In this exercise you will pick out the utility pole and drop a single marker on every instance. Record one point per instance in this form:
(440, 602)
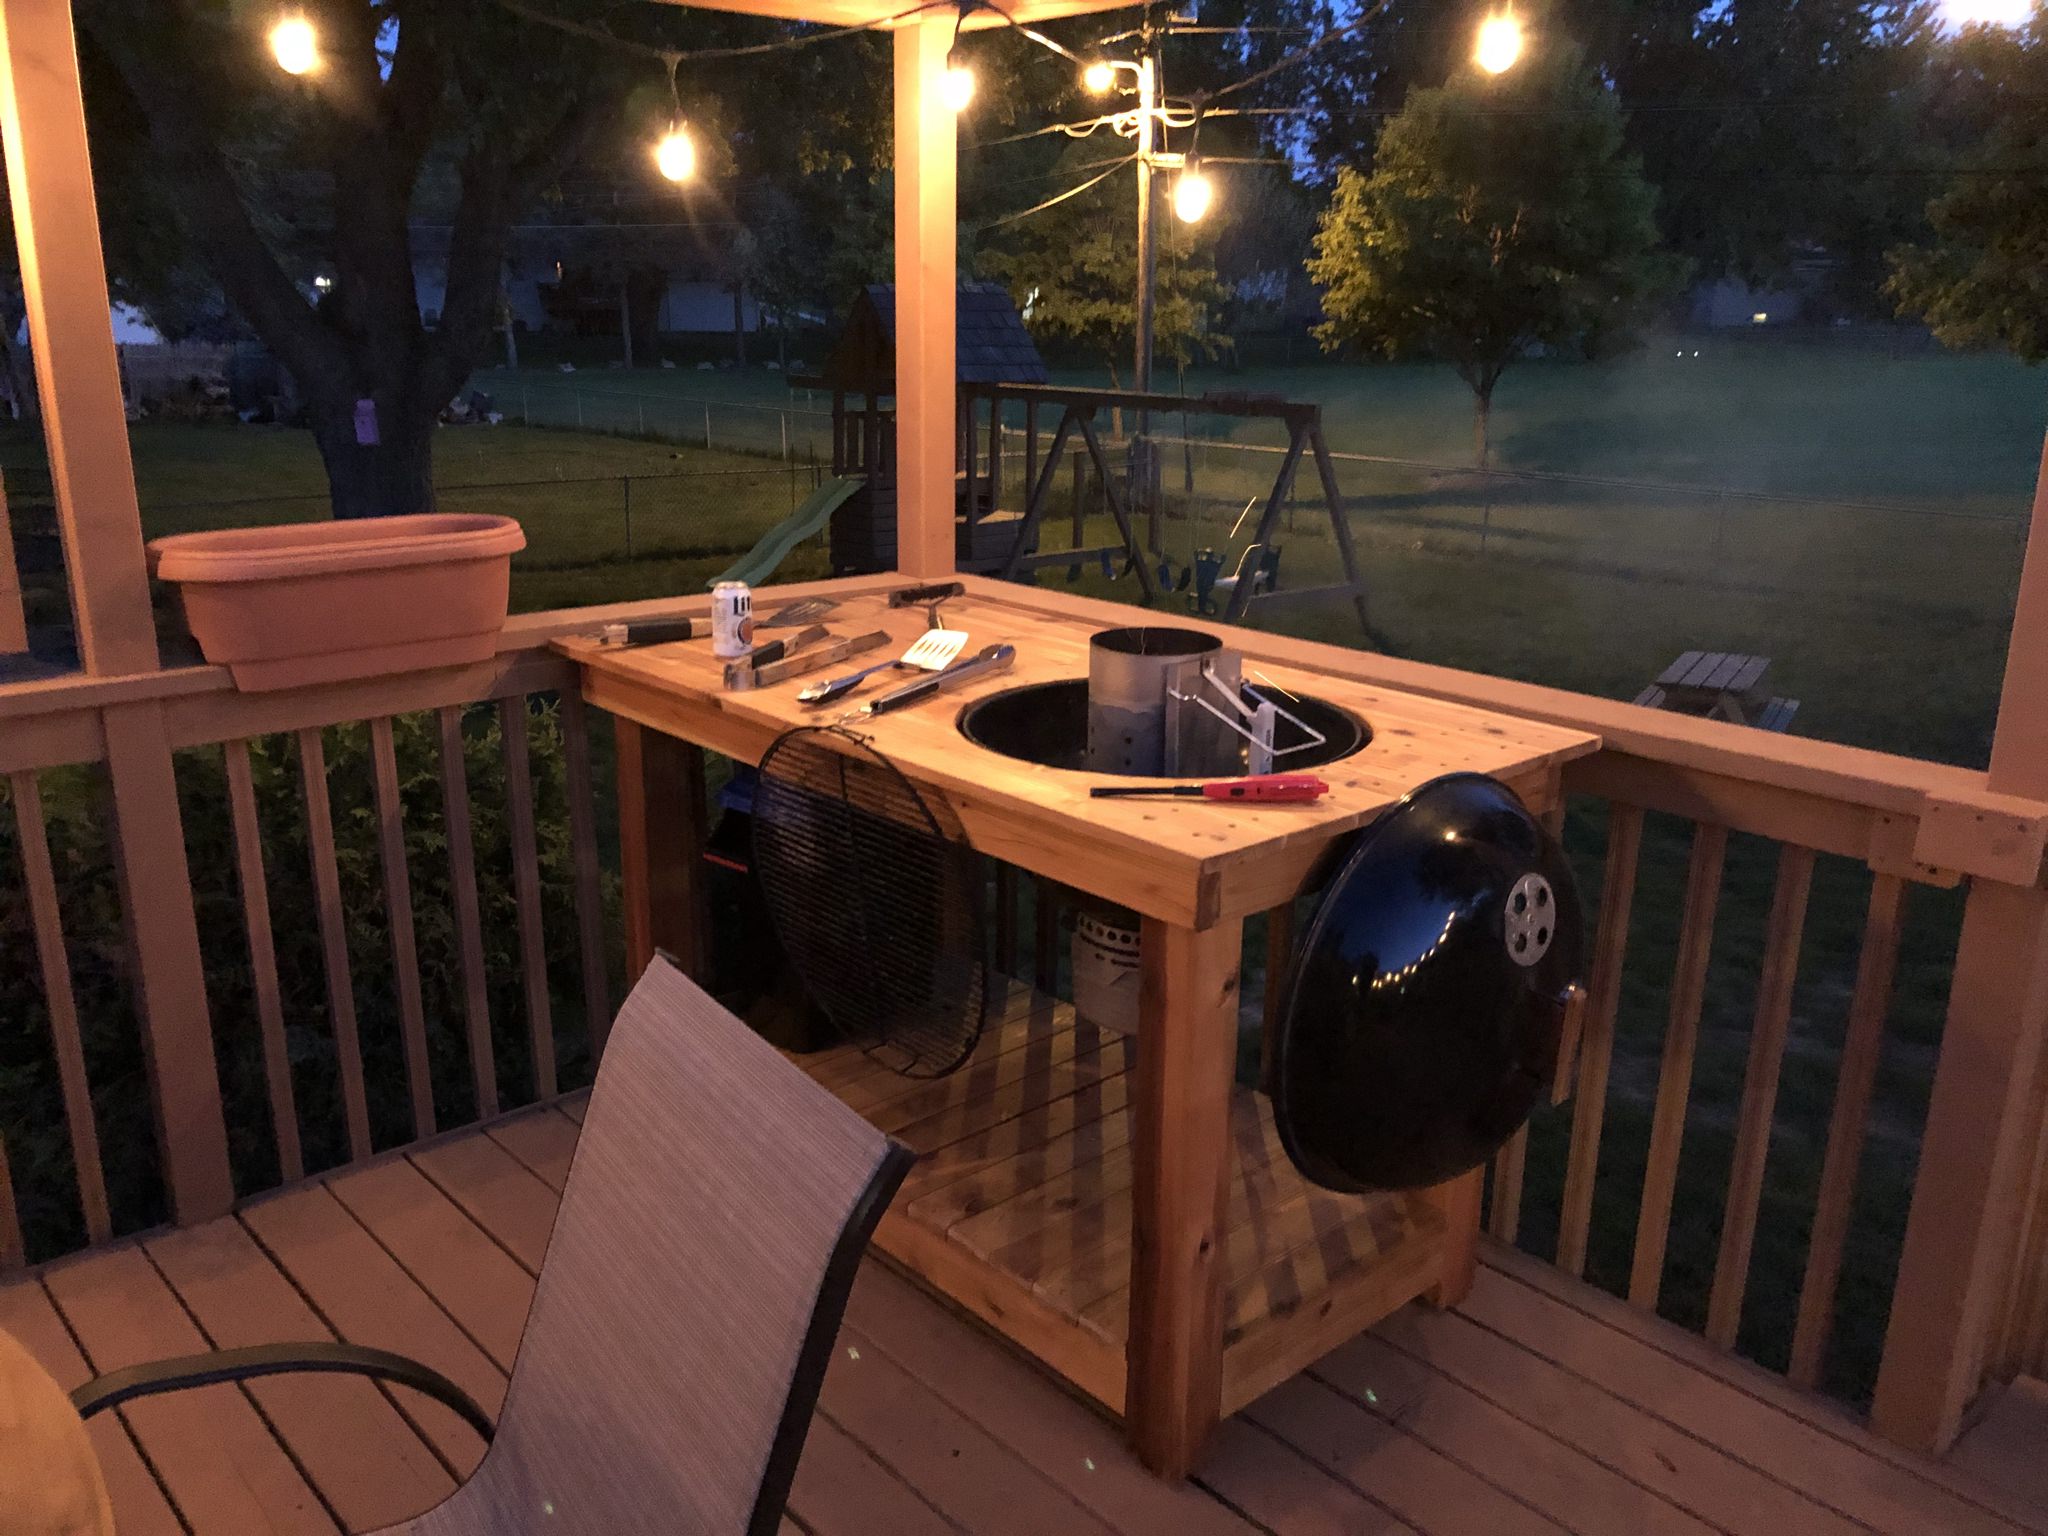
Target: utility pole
(1142, 480)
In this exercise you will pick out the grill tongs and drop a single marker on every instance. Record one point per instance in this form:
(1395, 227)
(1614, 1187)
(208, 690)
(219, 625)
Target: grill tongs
(986, 662)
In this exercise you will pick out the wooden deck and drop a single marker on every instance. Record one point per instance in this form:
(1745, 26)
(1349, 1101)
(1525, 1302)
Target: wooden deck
(1538, 1406)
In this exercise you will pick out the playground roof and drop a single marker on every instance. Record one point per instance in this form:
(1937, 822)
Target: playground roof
(991, 346)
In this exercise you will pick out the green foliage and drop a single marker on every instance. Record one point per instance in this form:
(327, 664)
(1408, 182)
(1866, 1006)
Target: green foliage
(1499, 215)
(1982, 281)
(1775, 133)
(1073, 268)
(31, 1112)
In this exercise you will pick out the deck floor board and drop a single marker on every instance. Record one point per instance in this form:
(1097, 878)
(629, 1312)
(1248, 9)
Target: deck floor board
(1535, 1407)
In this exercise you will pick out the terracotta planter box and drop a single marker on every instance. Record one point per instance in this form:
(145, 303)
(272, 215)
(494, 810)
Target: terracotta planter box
(305, 603)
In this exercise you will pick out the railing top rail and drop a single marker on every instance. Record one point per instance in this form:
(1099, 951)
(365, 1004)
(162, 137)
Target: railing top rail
(1923, 819)
(1947, 819)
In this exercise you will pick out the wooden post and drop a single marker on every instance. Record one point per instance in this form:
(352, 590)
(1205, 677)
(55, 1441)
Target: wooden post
(1985, 1111)
(71, 329)
(170, 986)
(661, 848)
(1180, 1185)
(927, 135)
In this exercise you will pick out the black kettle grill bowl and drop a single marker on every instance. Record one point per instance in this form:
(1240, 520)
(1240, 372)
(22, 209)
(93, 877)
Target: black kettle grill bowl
(1412, 1041)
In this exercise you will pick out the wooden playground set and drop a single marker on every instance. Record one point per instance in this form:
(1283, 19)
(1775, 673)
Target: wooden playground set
(1004, 394)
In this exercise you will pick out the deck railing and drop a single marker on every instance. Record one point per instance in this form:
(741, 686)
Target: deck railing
(1687, 793)
(147, 738)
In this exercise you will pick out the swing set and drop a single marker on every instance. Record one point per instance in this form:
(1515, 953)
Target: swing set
(1254, 572)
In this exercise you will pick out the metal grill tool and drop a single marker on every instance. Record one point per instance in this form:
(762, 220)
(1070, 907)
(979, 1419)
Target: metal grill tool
(932, 651)
(989, 660)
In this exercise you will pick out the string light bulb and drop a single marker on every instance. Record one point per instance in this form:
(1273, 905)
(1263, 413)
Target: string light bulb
(1099, 76)
(1987, 13)
(295, 45)
(956, 85)
(1500, 43)
(675, 154)
(1192, 193)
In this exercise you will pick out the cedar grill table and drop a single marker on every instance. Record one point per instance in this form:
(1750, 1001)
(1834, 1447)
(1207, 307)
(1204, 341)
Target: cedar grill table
(1118, 1209)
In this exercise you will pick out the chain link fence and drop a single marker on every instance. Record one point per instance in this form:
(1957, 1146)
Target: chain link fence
(586, 520)
(789, 432)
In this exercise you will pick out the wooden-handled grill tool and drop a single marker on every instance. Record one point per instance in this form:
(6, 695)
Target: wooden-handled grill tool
(745, 671)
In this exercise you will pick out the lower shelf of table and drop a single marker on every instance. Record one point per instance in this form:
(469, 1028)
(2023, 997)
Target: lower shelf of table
(1019, 1209)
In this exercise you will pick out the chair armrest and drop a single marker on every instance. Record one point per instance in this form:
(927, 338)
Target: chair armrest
(224, 1365)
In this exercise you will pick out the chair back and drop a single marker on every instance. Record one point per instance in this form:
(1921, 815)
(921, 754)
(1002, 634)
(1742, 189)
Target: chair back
(714, 1216)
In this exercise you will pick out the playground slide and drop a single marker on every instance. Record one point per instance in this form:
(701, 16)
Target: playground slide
(758, 563)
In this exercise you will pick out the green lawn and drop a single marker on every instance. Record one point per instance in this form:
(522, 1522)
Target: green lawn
(591, 536)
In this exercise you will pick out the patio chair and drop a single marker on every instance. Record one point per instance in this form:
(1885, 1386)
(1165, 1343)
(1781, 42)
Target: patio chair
(714, 1217)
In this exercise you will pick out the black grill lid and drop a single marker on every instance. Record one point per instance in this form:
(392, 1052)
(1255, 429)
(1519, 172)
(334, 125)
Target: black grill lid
(1422, 1016)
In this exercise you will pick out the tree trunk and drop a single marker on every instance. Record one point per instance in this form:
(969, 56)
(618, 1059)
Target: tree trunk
(739, 323)
(1482, 420)
(645, 288)
(390, 478)
(626, 319)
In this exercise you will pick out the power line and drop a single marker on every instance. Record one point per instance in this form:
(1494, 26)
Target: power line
(1025, 213)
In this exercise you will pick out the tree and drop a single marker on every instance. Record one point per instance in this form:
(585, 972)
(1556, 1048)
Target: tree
(422, 108)
(1499, 215)
(1980, 281)
(1073, 267)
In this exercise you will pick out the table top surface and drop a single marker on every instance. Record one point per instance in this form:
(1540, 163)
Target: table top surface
(1039, 816)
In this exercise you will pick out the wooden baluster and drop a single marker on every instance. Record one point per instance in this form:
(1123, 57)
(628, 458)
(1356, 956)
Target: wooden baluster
(255, 887)
(1610, 945)
(1045, 948)
(533, 955)
(48, 922)
(597, 1002)
(1861, 1048)
(341, 997)
(1681, 1039)
(469, 928)
(405, 957)
(1760, 1092)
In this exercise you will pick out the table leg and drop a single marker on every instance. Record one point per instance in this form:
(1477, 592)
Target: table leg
(1187, 1054)
(1459, 1202)
(662, 830)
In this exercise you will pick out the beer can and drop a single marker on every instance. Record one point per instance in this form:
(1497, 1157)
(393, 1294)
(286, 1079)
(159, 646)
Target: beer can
(732, 619)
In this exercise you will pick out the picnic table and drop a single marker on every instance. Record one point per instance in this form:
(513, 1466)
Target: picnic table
(1722, 685)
